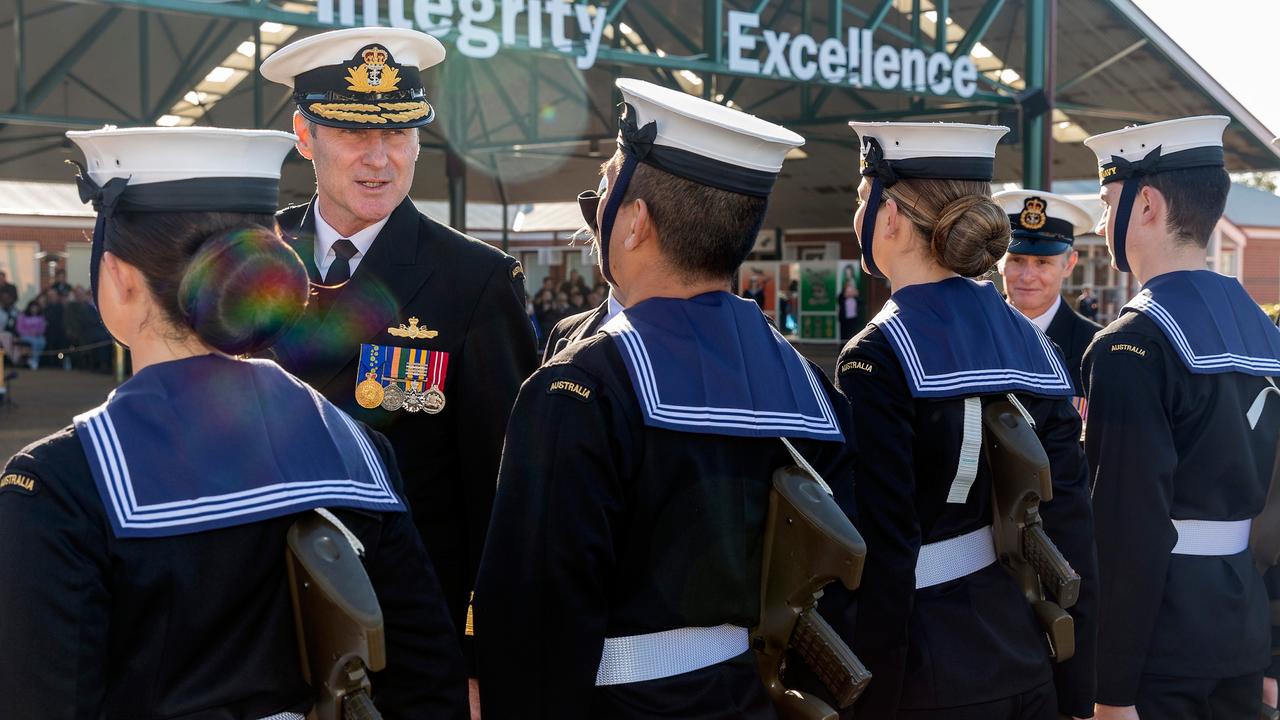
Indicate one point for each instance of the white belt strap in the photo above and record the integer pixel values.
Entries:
(1255, 410)
(638, 658)
(285, 716)
(948, 560)
(970, 447)
(1211, 537)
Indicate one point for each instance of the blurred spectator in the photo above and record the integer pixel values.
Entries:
(849, 323)
(576, 301)
(85, 332)
(55, 333)
(575, 282)
(1088, 305)
(30, 327)
(8, 325)
(755, 291)
(60, 285)
(8, 289)
(594, 298)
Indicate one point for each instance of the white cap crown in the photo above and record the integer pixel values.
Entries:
(153, 154)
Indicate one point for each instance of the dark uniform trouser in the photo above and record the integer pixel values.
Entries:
(1036, 704)
(1238, 698)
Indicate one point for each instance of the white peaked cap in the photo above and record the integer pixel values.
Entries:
(912, 140)
(164, 154)
(1058, 207)
(410, 48)
(707, 129)
(1171, 136)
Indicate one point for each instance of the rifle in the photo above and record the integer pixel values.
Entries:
(338, 619)
(1020, 482)
(809, 542)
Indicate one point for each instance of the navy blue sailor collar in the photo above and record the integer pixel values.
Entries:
(959, 338)
(714, 365)
(1211, 322)
(210, 442)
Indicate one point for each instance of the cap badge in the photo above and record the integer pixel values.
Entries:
(374, 75)
(1033, 217)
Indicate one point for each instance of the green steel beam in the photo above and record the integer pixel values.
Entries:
(257, 75)
(905, 114)
(58, 72)
(670, 27)
(878, 15)
(981, 24)
(73, 123)
(835, 18)
(144, 61)
(712, 40)
(615, 8)
(30, 151)
(191, 69)
(523, 119)
(1033, 166)
(865, 16)
(581, 81)
(20, 55)
(943, 10)
(104, 98)
(37, 13)
(1102, 66)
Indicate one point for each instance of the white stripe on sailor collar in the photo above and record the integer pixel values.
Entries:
(1145, 303)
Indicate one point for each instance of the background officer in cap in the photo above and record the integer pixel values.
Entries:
(419, 330)
(1182, 432)
(623, 563)
(1041, 257)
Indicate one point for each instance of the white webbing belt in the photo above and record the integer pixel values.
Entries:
(285, 716)
(948, 560)
(1211, 537)
(638, 658)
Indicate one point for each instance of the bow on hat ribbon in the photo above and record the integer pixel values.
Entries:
(1133, 168)
(874, 164)
(634, 140)
(105, 197)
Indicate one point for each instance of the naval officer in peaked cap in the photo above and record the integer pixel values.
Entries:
(1183, 417)
(623, 566)
(945, 631)
(1040, 258)
(414, 328)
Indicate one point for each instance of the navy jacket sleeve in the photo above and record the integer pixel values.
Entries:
(1130, 447)
(541, 605)
(500, 352)
(424, 676)
(55, 596)
(1068, 519)
(884, 490)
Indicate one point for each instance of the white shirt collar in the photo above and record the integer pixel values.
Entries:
(615, 307)
(1043, 321)
(326, 236)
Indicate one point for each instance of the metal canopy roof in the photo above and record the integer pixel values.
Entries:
(532, 127)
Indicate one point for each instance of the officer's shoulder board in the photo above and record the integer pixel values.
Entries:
(517, 271)
(13, 481)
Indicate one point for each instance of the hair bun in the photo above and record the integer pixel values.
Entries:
(970, 236)
(243, 289)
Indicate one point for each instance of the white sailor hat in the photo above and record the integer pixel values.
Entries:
(1159, 147)
(177, 169)
(149, 155)
(367, 78)
(893, 151)
(1043, 223)
(700, 140)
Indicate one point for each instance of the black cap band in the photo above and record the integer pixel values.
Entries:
(1156, 162)
(889, 172)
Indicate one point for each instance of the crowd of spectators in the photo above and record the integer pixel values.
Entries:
(553, 302)
(60, 327)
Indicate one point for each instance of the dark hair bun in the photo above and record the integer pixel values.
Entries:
(242, 289)
(971, 235)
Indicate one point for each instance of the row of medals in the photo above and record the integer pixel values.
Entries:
(371, 394)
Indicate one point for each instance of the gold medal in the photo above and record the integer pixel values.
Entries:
(369, 392)
(434, 401)
(393, 398)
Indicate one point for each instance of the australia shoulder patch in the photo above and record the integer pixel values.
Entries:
(859, 365)
(19, 482)
(571, 388)
(1122, 347)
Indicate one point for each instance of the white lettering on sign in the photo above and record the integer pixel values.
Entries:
(577, 28)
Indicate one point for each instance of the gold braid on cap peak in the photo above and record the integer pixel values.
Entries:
(373, 114)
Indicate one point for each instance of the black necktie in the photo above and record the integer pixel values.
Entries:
(340, 268)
